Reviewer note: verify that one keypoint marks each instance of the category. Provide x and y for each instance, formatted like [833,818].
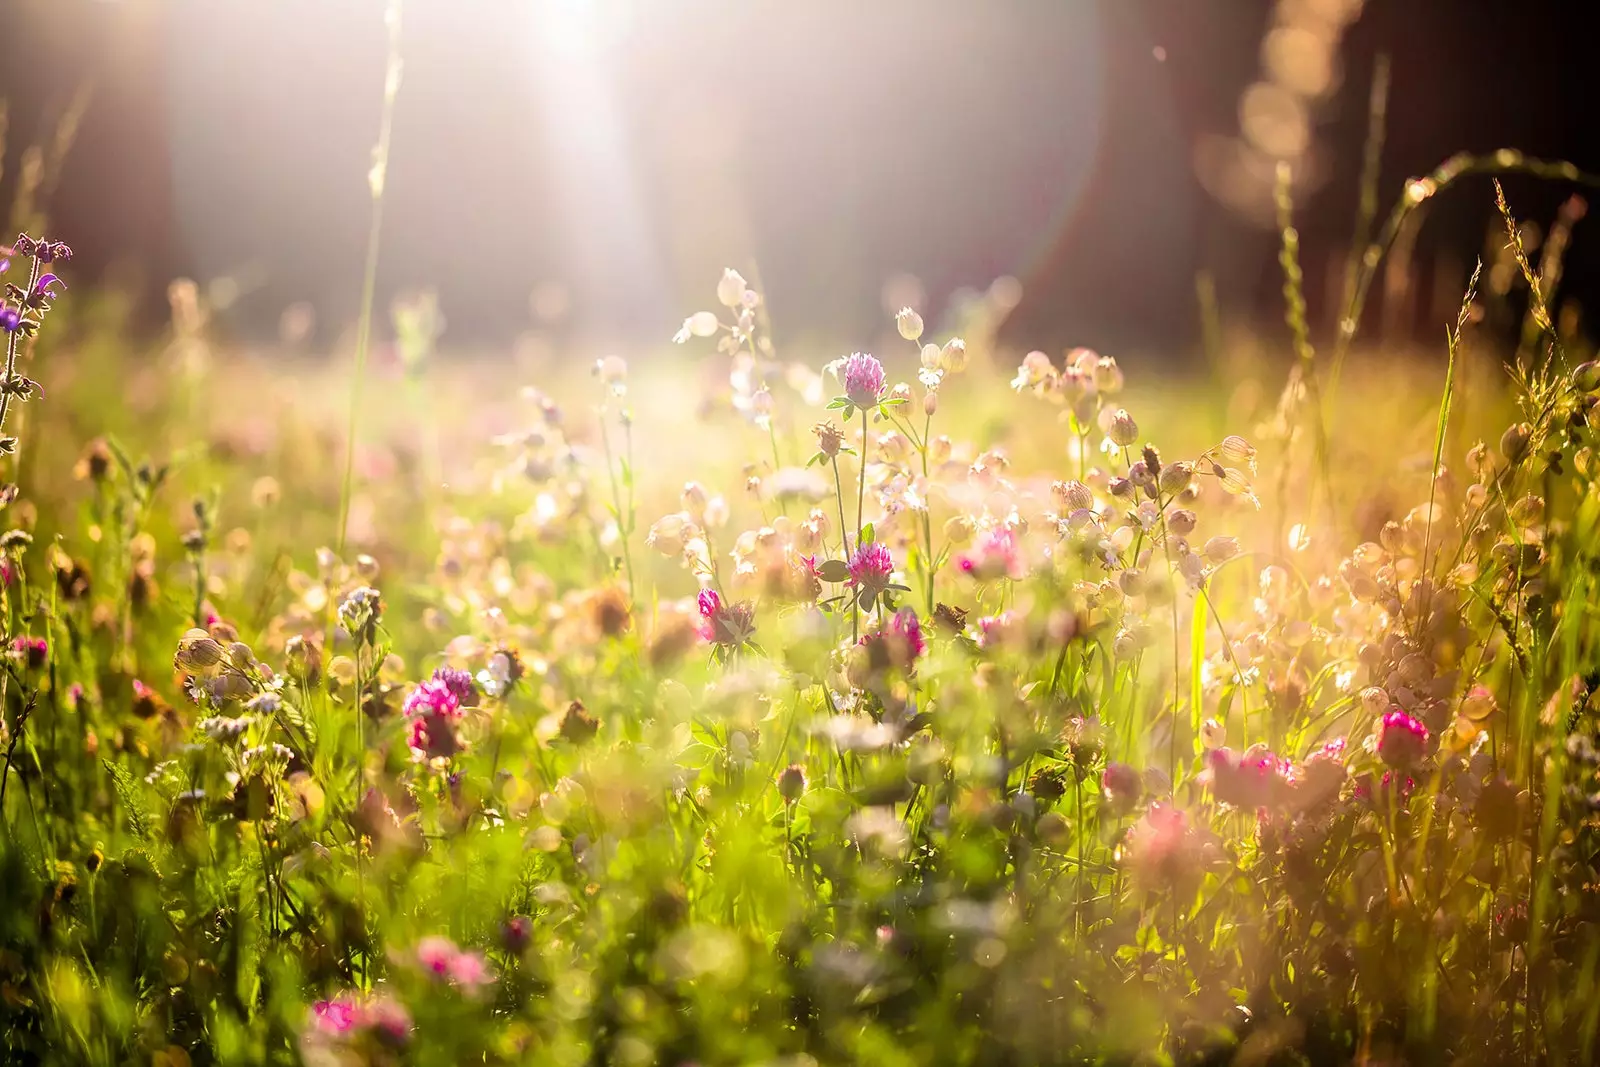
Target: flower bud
[1514,442]
[909,323]
[1181,522]
[1237,452]
[197,651]
[1175,477]
[953,356]
[731,289]
[1586,376]
[1123,430]
[1222,548]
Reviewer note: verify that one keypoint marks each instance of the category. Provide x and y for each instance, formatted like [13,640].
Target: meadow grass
[730,706]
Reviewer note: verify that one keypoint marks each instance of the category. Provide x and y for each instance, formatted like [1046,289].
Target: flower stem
[11,355]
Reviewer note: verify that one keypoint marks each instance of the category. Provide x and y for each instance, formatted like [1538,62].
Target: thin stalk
[369,284]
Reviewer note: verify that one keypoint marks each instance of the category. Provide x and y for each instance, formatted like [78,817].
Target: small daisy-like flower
[871,567]
[863,380]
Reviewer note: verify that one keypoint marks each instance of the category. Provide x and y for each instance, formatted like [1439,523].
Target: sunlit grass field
[735,701]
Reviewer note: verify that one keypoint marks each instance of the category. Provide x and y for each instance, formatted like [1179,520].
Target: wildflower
[953,356]
[433,708]
[1121,428]
[516,933]
[994,556]
[33,651]
[728,626]
[871,568]
[1048,784]
[360,612]
[577,725]
[613,374]
[1121,787]
[898,644]
[829,439]
[1220,549]
[43,289]
[731,289]
[1235,451]
[338,1016]
[1402,740]
[503,672]
[1254,779]
[10,319]
[1163,851]
[459,683]
[198,652]
[909,323]
[792,782]
[700,324]
[863,380]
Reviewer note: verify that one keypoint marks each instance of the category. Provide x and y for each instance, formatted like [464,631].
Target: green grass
[1082,780]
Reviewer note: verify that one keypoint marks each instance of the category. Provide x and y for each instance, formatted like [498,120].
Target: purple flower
[727,625]
[433,698]
[459,683]
[871,567]
[42,286]
[1401,739]
[908,629]
[10,319]
[863,380]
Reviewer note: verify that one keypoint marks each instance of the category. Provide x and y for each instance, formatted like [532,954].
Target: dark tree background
[627,150]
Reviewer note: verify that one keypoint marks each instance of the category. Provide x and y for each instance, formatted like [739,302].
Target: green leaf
[868,534]
[834,570]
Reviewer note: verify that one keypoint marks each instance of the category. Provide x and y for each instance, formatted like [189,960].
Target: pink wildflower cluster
[1164,850]
[1257,779]
[994,556]
[439,957]
[348,1027]
[434,708]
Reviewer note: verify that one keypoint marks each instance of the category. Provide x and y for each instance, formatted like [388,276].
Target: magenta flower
[1402,740]
[871,567]
[43,286]
[728,626]
[1163,851]
[863,380]
[899,643]
[337,1017]
[1252,780]
[434,708]
[436,954]
[470,970]
[32,650]
[434,698]
[908,630]
[994,556]
[459,683]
